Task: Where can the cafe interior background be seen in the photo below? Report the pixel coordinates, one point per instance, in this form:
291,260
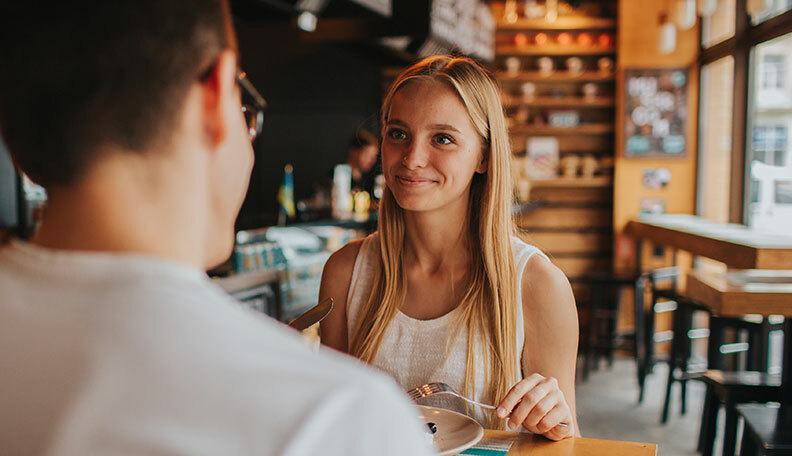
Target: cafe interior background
618,111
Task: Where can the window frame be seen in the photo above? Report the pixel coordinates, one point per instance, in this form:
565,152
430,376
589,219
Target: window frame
739,46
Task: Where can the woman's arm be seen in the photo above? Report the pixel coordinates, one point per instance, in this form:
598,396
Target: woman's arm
546,396
336,277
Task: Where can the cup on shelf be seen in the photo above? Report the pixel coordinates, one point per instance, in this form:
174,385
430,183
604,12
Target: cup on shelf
574,65
541,39
589,91
528,90
569,166
588,166
564,39
605,65
585,39
522,115
545,66
512,66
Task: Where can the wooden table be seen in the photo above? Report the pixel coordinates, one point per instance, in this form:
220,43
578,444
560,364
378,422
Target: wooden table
526,444
738,293
736,245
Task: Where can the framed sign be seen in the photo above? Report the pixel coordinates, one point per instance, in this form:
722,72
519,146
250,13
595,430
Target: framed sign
655,113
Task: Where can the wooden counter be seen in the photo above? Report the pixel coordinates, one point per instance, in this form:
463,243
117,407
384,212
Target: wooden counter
526,444
736,245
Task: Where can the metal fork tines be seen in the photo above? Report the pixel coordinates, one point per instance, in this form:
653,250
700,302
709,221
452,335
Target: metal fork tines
441,388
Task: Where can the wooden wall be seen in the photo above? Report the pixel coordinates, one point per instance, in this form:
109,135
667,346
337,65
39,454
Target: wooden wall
637,48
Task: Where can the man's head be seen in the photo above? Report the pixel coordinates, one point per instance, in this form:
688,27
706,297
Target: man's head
363,149
87,80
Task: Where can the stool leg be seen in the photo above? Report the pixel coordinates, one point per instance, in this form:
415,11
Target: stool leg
747,445
714,341
676,341
730,429
686,353
640,338
709,421
611,302
591,333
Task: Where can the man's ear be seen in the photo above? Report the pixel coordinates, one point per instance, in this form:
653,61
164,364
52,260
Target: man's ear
219,95
483,165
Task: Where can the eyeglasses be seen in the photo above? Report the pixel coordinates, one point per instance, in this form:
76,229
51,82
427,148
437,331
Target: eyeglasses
254,114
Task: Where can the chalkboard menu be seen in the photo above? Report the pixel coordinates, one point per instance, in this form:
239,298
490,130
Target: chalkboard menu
655,112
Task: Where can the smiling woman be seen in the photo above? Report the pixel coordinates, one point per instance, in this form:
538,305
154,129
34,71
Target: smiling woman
444,292
430,148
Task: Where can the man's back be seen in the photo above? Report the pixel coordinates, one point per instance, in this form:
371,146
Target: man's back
126,354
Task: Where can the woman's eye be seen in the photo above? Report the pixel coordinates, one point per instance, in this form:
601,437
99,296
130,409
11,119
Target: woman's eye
443,140
397,134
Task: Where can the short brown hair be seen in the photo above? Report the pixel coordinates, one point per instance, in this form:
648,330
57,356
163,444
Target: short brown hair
82,74
361,139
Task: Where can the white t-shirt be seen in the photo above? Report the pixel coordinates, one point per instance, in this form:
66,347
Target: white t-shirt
125,354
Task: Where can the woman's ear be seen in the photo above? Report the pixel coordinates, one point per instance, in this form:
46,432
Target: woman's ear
483,165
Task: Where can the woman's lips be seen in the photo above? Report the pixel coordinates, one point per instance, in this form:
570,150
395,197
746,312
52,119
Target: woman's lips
408,181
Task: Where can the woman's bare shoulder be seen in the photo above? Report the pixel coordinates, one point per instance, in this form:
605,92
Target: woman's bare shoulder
546,288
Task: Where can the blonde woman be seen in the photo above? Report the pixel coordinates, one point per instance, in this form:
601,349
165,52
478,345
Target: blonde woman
444,291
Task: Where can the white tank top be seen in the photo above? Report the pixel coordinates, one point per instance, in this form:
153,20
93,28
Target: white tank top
414,351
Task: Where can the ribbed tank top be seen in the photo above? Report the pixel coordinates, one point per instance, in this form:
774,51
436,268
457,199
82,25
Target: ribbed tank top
414,351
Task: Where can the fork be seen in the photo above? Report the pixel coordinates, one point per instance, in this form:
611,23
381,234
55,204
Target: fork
441,388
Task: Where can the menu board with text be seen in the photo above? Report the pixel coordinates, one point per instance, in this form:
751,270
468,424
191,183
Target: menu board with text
655,112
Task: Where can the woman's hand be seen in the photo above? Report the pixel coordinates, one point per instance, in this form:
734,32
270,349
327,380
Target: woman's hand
538,403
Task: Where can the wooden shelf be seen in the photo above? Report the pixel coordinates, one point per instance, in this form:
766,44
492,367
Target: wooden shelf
574,182
556,76
554,49
561,102
562,23
585,129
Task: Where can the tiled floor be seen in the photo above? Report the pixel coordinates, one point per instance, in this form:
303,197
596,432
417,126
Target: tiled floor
608,409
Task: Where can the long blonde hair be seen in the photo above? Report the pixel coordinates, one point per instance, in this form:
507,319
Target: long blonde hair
488,308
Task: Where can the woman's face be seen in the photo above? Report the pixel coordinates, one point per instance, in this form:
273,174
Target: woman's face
430,148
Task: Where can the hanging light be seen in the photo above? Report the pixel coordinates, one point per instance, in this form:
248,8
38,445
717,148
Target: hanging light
706,8
685,14
666,42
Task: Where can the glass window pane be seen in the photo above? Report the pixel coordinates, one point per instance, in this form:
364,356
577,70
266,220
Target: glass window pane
762,10
720,25
769,155
715,139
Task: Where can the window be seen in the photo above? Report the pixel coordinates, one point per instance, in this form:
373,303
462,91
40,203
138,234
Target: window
771,71
720,25
768,163
770,144
745,114
714,159
762,10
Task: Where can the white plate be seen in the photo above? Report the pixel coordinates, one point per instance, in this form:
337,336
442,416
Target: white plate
455,431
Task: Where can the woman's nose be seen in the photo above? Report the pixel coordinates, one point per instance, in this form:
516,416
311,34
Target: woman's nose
415,156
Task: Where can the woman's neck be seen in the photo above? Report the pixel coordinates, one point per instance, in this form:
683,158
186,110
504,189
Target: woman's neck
436,240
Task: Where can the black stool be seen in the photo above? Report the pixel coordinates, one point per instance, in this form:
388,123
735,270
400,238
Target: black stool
603,312
767,431
730,389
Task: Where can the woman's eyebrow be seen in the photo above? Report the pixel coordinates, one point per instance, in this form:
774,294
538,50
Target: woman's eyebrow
444,127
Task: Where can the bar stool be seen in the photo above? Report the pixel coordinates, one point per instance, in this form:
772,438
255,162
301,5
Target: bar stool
767,430
603,312
730,388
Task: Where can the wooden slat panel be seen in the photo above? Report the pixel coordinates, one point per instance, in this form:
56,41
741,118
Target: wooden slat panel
582,266
572,195
555,243
564,217
571,143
